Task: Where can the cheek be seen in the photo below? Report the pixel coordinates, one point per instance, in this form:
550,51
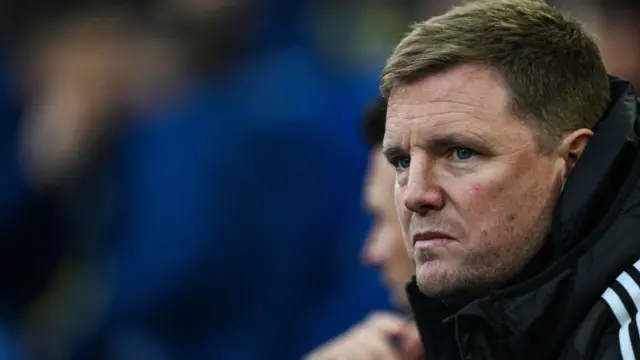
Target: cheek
395,245
503,182
481,195
485,203
404,215
496,201
476,190
403,221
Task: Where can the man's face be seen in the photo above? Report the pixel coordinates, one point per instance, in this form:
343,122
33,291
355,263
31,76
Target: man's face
384,247
473,192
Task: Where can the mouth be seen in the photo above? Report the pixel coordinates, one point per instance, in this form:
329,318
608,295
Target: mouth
429,239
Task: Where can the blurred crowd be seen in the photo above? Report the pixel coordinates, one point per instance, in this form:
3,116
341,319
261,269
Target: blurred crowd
181,179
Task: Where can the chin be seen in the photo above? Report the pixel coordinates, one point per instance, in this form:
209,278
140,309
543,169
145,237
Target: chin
449,288
430,270
433,280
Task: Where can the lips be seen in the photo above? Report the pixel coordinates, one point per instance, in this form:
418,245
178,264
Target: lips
435,237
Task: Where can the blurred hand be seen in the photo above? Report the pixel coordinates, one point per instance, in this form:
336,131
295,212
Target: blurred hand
373,339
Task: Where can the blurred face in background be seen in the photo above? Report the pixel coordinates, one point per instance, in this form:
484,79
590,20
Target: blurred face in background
81,75
384,247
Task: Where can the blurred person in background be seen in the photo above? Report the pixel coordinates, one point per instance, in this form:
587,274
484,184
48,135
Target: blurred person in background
617,30
383,335
87,78
234,234
77,71
517,168
166,193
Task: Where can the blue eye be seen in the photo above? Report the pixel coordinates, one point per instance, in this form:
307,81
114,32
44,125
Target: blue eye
403,163
461,153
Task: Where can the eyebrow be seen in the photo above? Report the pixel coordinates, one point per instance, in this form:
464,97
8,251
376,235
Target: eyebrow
440,143
393,151
449,141
474,142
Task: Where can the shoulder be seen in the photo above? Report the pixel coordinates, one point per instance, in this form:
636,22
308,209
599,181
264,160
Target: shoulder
611,328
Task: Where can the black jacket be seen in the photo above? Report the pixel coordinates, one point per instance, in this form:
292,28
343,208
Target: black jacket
583,303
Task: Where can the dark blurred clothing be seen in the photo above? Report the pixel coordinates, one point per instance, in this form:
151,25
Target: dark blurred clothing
31,232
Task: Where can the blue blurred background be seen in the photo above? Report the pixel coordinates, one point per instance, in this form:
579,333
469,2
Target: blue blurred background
180,179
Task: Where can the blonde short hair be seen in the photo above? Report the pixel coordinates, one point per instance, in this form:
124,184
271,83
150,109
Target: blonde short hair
548,61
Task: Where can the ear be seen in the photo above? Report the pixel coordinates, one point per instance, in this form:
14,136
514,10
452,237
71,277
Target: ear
572,147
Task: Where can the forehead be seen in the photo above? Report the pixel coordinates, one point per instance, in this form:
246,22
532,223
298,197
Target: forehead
465,98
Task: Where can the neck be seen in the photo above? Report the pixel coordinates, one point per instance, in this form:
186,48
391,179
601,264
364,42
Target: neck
539,263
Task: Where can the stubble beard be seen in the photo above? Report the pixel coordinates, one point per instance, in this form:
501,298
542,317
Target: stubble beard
487,266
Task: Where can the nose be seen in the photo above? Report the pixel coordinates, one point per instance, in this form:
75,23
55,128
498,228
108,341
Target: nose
422,193
373,252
